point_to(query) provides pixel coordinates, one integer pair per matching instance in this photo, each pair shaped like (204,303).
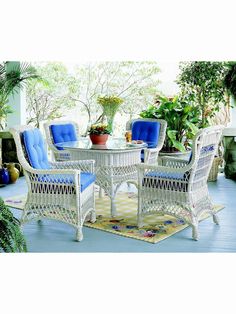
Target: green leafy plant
(11,237)
(99,129)
(182,120)
(230,79)
(110,106)
(201,82)
(11,81)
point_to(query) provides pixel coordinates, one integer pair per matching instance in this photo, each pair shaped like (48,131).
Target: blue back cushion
(147,131)
(35,149)
(63,133)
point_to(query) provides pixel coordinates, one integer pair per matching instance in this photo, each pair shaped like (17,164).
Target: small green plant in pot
(99,133)
(110,106)
(182,120)
(11,237)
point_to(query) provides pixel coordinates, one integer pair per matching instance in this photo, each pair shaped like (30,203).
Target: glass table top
(111,144)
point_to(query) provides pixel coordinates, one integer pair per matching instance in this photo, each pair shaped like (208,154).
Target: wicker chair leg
(140,221)
(101,192)
(93,216)
(113,207)
(79,234)
(215,219)
(195,231)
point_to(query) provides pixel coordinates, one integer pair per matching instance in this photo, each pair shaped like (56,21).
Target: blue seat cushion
(86,179)
(147,131)
(63,133)
(35,149)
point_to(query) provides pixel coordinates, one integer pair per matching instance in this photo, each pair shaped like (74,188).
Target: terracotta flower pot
(100,139)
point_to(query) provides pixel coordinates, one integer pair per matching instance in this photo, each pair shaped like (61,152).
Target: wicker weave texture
(51,195)
(178,187)
(151,154)
(58,155)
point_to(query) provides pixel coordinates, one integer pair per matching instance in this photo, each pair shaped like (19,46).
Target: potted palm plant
(11,237)
(11,81)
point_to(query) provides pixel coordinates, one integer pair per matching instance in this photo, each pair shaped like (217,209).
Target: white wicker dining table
(115,163)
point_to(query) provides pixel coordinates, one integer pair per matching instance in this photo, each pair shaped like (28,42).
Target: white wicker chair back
(58,155)
(151,154)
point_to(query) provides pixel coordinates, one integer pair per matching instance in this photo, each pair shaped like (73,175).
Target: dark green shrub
(11,237)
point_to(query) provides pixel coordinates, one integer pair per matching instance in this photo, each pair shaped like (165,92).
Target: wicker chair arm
(74,172)
(53,148)
(173,162)
(143,168)
(151,150)
(83,165)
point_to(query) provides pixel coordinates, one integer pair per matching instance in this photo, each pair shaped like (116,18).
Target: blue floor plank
(54,236)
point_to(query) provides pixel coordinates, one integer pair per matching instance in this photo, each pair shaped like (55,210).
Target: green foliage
(230,78)
(99,129)
(135,82)
(81,85)
(50,97)
(12,79)
(201,83)
(11,237)
(182,120)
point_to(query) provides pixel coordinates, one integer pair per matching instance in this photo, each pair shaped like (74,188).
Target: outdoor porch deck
(53,236)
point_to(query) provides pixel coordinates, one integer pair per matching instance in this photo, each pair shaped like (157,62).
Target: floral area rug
(156,228)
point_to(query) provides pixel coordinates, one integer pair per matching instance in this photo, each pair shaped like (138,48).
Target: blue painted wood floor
(53,236)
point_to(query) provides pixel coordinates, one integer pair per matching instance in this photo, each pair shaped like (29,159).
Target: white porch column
(17,103)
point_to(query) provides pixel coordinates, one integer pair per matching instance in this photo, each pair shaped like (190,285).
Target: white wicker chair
(56,193)
(179,188)
(151,154)
(58,155)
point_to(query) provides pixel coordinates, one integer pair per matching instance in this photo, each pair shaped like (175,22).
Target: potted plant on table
(182,120)
(99,133)
(110,105)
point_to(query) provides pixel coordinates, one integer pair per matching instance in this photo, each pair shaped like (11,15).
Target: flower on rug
(125,223)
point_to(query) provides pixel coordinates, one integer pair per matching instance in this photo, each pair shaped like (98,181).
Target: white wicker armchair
(58,154)
(61,191)
(150,155)
(179,188)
